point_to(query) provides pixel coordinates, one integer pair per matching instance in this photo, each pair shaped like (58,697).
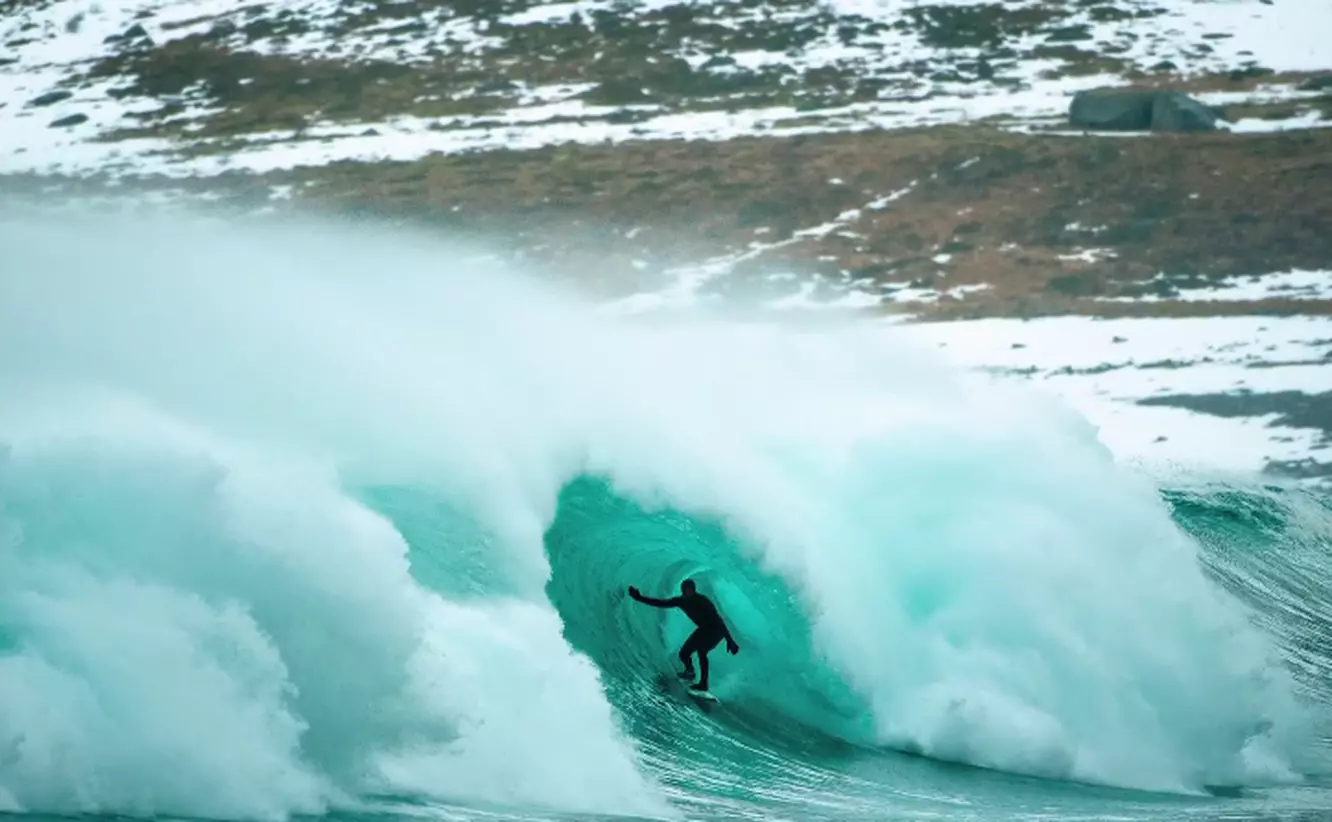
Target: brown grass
(1194,207)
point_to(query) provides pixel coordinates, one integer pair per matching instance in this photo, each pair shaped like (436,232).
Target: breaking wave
(299,515)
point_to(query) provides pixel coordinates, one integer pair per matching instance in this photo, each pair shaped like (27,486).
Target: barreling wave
(299,515)
(998,714)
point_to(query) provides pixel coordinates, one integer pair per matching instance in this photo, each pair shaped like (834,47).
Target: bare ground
(1011,211)
(1049,223)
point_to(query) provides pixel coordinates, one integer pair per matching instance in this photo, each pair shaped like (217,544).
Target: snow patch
(1297,284)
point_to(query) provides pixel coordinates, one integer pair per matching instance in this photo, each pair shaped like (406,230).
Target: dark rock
(1173,111)
(499,85)
(1248,72)
(71,120)
(1317,83)
(134,35)
(617,91)
(1070,34)
(1109,14)
(50,98)
(1120,110)
(1112,110)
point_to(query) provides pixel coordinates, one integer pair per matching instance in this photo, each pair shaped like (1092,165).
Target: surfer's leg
(688,672)
(686,655)
(705,645)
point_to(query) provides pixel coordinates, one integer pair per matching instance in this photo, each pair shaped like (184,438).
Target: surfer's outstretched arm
(673,602)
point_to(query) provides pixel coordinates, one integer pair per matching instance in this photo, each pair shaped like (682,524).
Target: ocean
(318,519)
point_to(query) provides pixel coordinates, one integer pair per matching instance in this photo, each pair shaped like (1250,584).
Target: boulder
(1172,111)
(1151,110)
(136,35)
(50,98)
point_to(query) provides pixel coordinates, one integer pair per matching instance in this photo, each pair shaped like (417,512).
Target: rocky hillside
(758,130)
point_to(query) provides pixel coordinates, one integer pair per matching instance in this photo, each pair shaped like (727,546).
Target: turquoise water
(323,520)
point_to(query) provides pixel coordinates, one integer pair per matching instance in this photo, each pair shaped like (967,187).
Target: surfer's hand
(731,647)
(633,592)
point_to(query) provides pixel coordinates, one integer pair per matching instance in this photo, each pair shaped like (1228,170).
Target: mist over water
(298,514)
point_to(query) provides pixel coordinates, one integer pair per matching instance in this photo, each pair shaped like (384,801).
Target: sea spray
(216,415)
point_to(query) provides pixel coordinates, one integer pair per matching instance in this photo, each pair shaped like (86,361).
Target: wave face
(297,516)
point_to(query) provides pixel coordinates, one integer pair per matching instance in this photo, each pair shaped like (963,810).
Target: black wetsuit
(710,631)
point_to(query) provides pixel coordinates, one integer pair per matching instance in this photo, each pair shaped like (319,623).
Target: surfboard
(673,685)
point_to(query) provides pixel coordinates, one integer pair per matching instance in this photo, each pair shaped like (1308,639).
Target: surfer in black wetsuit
(711,629)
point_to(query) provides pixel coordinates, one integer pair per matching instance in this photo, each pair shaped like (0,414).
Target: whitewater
(313,517)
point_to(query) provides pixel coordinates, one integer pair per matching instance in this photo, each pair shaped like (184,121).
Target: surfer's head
(687,587)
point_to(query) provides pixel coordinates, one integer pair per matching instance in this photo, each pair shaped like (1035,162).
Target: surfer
(709,631)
